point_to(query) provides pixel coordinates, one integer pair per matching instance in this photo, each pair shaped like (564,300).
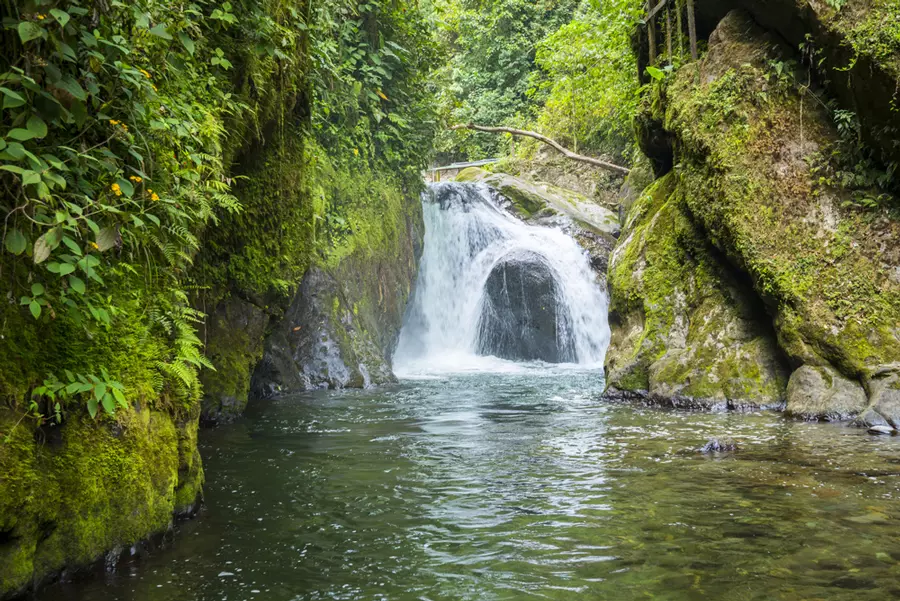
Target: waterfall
(493,290)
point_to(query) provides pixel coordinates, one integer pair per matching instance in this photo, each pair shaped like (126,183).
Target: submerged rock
(882,430)
(716,445)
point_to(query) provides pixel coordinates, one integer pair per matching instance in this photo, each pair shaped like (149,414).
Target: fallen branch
(530,134)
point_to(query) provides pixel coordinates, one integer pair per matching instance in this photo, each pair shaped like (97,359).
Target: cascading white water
(453,317)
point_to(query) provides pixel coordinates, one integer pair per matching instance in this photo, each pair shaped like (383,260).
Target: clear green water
(525,486)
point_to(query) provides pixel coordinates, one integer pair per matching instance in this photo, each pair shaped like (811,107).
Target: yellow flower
(136,179)
(41,17)
(356,151)
(117,190)
(114,122)
(145,74)
(154,196)
(94,245)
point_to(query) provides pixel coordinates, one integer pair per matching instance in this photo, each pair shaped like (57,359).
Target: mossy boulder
(235,331)
(74,493)
(753,164)
(820,393)
(685,330)
(533,200)
(854,49)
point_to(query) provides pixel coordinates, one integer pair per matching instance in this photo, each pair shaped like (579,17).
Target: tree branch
(530,134)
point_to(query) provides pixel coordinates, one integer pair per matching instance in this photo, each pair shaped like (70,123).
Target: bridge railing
(660,13)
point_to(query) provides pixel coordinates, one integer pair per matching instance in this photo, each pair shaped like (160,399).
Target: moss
(73,492)
(680,327)
(746,143)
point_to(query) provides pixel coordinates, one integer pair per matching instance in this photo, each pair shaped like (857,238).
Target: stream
(496,470)
(523,485)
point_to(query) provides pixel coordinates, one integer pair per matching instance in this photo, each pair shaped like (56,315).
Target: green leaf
(66,269)
(37,289)
(30,177)
(71,85)
(160,31)
(29,31)
(99,390)
(42,249)
(187,42)
(120,397)
(77,284)
(655,73)
(37,126)
(126,187)
(15,241)
(73,246)
(92,407)
(107,238)
(61,16)
(35,309)
(20,134)
(108,405)
(14,151)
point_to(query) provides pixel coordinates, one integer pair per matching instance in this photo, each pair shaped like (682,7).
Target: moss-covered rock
(685,331)
(853,46)
(820,393)
(533,200)
(311,278)
(72,493)
(754,164)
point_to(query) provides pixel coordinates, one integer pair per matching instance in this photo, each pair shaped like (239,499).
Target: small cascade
(493,290)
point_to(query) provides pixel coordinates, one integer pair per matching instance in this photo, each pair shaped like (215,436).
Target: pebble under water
(524,485)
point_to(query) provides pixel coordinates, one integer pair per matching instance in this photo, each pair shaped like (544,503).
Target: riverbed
(523,483)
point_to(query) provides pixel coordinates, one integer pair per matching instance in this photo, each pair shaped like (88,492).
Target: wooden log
(651,32)
(551,143)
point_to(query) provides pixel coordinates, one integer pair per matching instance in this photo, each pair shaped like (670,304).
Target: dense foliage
(562,67)
(119,126)
(590,74)
(487,78)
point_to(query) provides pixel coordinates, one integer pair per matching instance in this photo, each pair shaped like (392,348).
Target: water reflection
(489,487)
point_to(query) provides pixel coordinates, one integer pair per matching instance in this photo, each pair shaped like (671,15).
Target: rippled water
(524,486)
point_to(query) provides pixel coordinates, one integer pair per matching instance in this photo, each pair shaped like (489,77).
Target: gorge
(248,353)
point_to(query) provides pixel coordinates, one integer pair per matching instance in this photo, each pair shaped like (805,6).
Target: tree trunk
(530,134)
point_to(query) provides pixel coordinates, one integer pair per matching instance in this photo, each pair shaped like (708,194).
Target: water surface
(524,485)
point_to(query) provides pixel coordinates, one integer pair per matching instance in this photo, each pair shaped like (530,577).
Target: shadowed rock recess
(747,275)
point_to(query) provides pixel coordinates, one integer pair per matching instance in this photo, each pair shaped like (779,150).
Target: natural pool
(524,485)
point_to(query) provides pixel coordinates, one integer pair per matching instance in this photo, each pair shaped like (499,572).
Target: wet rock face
(522,317)
(323,343)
